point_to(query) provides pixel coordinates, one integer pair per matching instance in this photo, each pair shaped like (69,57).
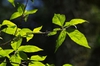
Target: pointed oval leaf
(67,65)
(52,33)
(15,44)
(27,12)
(22,55)
(12,2)
(37,58)
(15,61)
(78,37)
(15,15)
(58,19)
(29,48)
(36,64)
(36,30)
(60,39)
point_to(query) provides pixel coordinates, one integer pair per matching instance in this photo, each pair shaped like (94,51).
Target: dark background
(69,52)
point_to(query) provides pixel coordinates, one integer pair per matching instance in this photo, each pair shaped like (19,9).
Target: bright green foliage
(37,58)
(60,39)
(78,37)
(12,2)
(27,33)
(67,65)
(29,48)
(74,22)
(15,61)
(28,12)
(16,43)
(37,30)
(3,63)
(58,19)
(36,64)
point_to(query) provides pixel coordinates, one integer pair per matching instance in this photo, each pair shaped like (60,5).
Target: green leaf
(74,22)
(15,61)
(15,15)
(25,32)
(10,30)
(15,44)
(30,12)
(60,39)
(12,2)
(29,48)
(22,55)
(8,51)
(52,33)
(3,63)
(67,65)
(36,64)
(78,37)
(58,19)
(9,23)
(1,38)
(37,30)
(37,58)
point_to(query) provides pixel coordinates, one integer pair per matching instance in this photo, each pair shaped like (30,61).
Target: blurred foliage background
(69,52)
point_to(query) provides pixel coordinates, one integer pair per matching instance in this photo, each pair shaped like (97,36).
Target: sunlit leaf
(8,51)
(15,61)
(58,19)
(27,12)
(3,63)
(8,23)
(36,30)
(12,2)
(25,32)
(29,48)
(75,22)
(16,43)
(36,64)
(67,65)
(15,15)
(78,37)
(60,39)
(52,33)
(37,58)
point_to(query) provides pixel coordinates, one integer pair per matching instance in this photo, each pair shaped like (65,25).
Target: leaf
(8,51)
(25,32)
(15,61)
(8,23)
(3,63)
(37,30)
(27,12)
(15,15)
(12,2)
(58,19)
(36,64)
(1,38)
(52,33)
(29,48)
(15,44)
(10,31)
(37,58)
(78,37)
(75,22)
(60,39)
(22,55)
(67,65)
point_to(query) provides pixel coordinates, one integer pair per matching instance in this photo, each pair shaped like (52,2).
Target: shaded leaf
(3,63)
(29,48)
(58,19)
(78,37)
(22,55)
(12,2)
(60,39)
(15,44)
(37,58)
